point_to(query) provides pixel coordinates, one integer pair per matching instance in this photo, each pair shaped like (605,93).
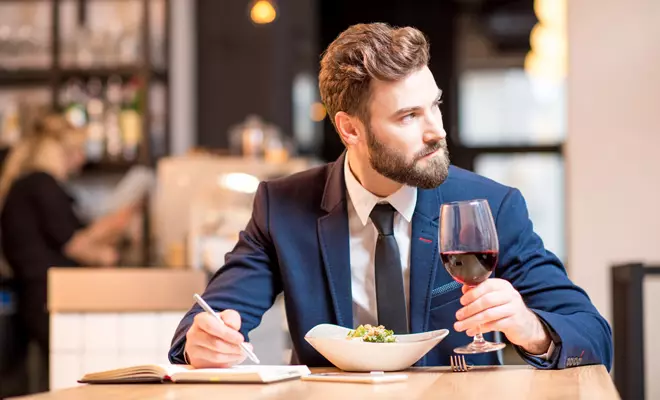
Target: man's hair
(362,53)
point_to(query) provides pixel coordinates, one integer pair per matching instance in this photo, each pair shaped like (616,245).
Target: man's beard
(392,164)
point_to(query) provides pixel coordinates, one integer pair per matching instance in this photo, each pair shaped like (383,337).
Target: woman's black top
(37,220)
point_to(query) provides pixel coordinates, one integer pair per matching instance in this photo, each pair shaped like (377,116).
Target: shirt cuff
(544,356)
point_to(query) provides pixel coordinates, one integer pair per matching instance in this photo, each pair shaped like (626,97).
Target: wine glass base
(477,348)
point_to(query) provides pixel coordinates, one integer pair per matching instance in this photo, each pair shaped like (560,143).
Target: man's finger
(489,285)
(471,294)
(231,318)
(210,352)
(219,346)
(484,317)
(488,300)
(203,358)
(214,327)
(221,358)
(501,325)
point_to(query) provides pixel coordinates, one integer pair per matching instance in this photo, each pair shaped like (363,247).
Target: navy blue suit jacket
(297,242)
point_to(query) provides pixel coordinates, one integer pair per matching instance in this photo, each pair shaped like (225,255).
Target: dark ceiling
(506,23)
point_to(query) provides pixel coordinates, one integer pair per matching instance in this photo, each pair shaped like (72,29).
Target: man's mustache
(440,144)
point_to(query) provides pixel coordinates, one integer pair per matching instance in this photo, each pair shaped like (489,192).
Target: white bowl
(356,355)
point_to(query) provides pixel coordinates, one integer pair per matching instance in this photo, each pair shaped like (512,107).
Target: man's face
(405,136)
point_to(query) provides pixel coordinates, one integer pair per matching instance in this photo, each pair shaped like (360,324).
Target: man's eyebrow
(407,110)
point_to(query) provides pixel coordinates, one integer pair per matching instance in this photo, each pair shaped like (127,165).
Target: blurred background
(212,96)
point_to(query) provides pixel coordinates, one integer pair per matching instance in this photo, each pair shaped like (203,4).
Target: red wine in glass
(470,267)
(469,249)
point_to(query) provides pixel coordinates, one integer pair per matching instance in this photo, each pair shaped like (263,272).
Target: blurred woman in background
(39,225)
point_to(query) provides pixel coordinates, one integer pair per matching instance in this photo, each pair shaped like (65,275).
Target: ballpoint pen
(209,310)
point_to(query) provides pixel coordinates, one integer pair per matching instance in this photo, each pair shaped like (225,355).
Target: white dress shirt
(363,236)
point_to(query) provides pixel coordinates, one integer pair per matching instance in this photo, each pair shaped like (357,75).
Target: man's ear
(348,128)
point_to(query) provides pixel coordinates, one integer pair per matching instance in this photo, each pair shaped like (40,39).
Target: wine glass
(469,250)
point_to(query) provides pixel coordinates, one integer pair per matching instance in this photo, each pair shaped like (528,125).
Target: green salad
(372,334)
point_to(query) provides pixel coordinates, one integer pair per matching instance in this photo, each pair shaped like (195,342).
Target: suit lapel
(334,243)
(424,255)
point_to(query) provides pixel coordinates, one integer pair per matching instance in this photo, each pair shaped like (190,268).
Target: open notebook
(187,374)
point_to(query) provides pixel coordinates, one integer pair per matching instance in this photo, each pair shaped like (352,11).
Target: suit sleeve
(248,282)
(581,335)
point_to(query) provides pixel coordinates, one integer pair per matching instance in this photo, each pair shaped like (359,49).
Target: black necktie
(390,294)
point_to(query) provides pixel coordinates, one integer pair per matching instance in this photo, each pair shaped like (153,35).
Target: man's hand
(497,306)
(214,344)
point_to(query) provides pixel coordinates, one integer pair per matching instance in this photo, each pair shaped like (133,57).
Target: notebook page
(234,373)
(171,369)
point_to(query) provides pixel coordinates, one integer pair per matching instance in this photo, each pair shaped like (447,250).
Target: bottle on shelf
(74,103)
(10,129)
(113,139)
(112,115)
(131,120)
(95,126)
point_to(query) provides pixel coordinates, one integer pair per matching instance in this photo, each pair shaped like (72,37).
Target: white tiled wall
(89,342)
(92,342)
(65,369)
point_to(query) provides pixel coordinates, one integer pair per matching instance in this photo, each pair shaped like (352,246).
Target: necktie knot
(382,216)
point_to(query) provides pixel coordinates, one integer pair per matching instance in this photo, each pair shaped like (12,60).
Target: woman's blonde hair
(45,150)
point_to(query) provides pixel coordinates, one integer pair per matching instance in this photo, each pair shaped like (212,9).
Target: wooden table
(491,383)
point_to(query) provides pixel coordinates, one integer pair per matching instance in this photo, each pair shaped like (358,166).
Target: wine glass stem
(478,338)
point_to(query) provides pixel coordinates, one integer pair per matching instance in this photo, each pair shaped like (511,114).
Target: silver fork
(458,364)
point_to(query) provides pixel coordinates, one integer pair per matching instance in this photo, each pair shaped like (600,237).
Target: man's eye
(408,117)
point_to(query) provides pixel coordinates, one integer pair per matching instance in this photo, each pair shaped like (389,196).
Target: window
(510,129)
(540,179)
(508,107)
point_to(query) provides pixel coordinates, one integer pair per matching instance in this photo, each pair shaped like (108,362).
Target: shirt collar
(403,200)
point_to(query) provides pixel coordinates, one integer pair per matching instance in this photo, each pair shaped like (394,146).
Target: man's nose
(435,129)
